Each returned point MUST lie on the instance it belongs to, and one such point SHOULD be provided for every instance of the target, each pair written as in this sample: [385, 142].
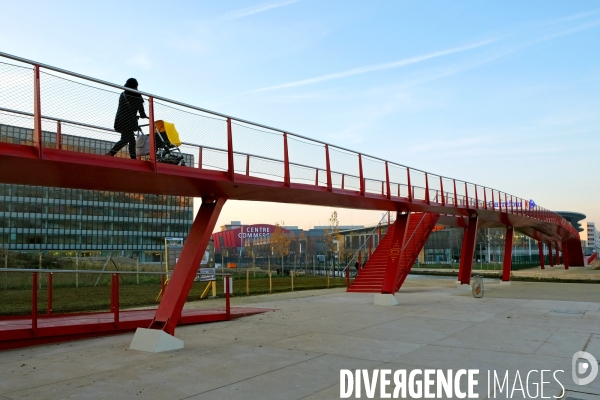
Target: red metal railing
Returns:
[74, 112]
[115, 307]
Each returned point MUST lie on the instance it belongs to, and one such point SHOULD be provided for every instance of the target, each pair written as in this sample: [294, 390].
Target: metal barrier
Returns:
[44, 106]
[26, 293]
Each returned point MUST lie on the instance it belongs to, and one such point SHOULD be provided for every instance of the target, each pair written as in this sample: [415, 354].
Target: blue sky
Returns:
[504, 94]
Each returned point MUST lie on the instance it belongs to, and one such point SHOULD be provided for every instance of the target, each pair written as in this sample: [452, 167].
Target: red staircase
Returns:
[370, 278]
[591, 258]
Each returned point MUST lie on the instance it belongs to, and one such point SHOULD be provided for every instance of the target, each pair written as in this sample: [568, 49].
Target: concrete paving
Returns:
[297, 351]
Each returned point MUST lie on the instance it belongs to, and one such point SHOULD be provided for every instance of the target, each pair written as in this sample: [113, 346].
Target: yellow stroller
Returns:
[167, 139]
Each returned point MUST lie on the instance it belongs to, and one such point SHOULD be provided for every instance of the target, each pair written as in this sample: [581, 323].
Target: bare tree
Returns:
[332, 238]
[280, 243]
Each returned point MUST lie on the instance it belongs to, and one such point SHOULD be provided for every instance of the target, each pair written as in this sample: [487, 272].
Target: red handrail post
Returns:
[476, 198]
[329, 183]
[115, 302]
[230, 166]
[343, 175]
[58, 135]
[200, 157]
[442, 190]
[427, 189]
[227, 303]
[151, 132]
[485, 205]
[360, 175]
[247, 164]
[286, 162]
[410, 197]
[466, 195]
[34, 303]
[316, 176]
[49, 302]
[387, 181]
[455, 196]
[493, 201]
[37, 112]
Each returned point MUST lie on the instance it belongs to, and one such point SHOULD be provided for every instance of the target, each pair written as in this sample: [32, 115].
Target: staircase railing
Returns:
[412, 254]
[360, 248]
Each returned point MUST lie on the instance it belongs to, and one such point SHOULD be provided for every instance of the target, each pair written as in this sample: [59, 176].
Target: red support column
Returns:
[34, 303]
[230, 165]
[541, 252]
[468, 251]
[395, 254]
[550, 254]
[37, 112]
[507, 262]
[557, 260]
[286, 162]
[49, 300]
[169, 310]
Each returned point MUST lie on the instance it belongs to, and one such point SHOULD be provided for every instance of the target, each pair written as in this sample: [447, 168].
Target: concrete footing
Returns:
[154, 341]
[464, 287]
[385, 299]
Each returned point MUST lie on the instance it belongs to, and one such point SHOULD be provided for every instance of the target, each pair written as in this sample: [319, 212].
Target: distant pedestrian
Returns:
[126, 120]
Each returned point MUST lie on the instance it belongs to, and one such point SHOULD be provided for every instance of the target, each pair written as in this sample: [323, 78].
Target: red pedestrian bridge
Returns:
[57, 126]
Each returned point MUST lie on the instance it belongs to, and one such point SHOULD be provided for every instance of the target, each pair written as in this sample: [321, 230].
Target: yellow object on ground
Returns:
[170, 130]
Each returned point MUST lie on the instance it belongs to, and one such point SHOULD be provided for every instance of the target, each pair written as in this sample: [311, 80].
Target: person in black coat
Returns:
[126, 120]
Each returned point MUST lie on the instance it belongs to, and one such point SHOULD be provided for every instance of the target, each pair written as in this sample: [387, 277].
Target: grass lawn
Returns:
[66, 298]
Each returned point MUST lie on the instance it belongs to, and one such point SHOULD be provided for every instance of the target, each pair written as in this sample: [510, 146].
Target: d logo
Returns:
[580, 367]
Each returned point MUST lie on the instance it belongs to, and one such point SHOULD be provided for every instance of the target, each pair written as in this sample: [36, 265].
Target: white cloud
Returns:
[245, 12]
[378, 67]
[140, 60]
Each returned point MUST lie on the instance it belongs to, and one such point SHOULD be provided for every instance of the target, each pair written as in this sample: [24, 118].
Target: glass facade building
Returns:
[64, 221]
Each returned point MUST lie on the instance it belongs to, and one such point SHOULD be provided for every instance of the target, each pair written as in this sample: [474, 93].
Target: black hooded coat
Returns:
[129, 105]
